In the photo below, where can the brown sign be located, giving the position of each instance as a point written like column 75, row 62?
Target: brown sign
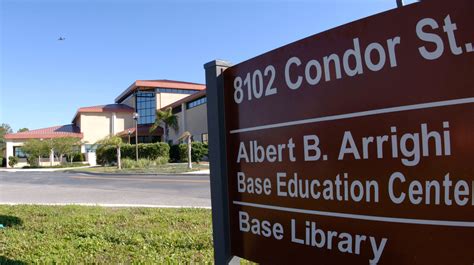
column 356, row 145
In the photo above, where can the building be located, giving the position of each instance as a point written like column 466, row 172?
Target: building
column 147, row 96
column 192, row 117
column 91, row 124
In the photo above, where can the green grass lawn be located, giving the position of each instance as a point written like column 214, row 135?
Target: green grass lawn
column 79, row 234
column 166, row 168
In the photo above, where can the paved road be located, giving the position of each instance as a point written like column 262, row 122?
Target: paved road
column 64, row 187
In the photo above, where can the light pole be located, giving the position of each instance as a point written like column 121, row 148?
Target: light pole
column 135, row 117
column 129, row 133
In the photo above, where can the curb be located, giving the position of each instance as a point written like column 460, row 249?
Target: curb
column 135, row 174
column 111, row 205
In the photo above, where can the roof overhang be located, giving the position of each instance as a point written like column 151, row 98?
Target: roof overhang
column 151, row 84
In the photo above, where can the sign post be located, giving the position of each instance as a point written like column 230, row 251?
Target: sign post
column 218, row 167
column 352, row 146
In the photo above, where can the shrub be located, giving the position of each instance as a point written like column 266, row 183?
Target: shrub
column 12, row 161
column 198, row 151
column 3, row 162
column 32, row 161
column 141, row 163
column 144, row 163
column 108, row 154
column 161, row 160
column 77, row 157
column 128, row 163
column 175, row 155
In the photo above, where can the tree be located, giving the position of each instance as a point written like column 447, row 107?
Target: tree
column 187, row 136
column 23, row 130
column 116, row 142
column 4, row 129
column 65, row 146
column 35, row 148
column 169, row 120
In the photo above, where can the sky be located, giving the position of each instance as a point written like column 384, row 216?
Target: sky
column 110, row 44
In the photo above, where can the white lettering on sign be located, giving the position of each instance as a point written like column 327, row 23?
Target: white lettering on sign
column 374, row 57
column 261, row 228
column 411, row 146
column 255, row 153
column 343, row 242
column 255, row 84
column 313, row 69
column 430, row 192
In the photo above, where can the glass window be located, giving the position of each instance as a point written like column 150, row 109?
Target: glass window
column 196, row 102
column 90, row 147
column 176, row 91
column 146, row 107
column 18, row 152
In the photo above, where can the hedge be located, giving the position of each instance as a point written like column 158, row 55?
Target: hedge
column 175, row 155
column 108, row 154
column 198, row 151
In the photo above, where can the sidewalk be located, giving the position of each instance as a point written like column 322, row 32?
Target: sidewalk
column 199, row 172
column 77, row 170
column 39, row 169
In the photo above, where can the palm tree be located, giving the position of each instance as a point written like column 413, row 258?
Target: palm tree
column 187, row 137
column 116, row 142
column 168, row 119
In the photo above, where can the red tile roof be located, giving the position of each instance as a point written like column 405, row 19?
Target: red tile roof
column 107, row 108
column 162, row 83
column 143, row 130
column 68, row 130
column 104, row 108
column 186, row 99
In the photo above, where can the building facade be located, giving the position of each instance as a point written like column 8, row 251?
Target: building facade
column 144, row 97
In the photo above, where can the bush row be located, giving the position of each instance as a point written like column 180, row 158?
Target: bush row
column 108, row 154
column 77, row 157
column 179, row 152
column 198, row 151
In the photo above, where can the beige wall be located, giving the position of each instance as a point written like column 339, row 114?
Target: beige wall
column 196, row 121
column 130, row 101
column 123, row 121
column 9, row 151
column 165, row 99
column 97, row 126
column 193, row 120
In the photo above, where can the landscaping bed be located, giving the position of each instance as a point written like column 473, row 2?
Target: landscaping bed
column 169, row 168
column 65, row 165
column 81, row 234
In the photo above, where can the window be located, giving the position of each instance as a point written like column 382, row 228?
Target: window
column 146, row 107
column 90, row 148
column 147, row 139
column 18, row 152
column 204, row 138
column 196, row 102
column 176, row 91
